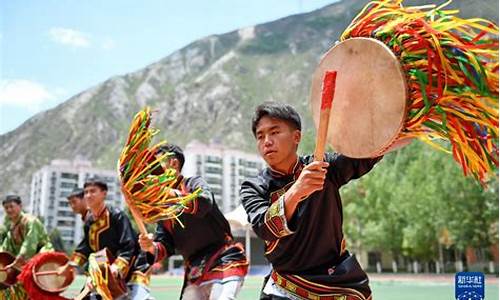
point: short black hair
(96, 182)
(77, 192)
(276, 110)
(176, 152)
(12, 198)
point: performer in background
(78, 204)
(294, 205)
(24, 234)
(215, 265)
(110, 228)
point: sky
(53, 49)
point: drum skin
(53, 283)
(7, 277)
(370, 102)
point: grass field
(384, 288)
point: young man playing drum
(215, 265)
(110, 228)
(295, 207)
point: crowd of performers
(293, 205)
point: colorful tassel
(452, 76)
(147, 183)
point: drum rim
(56, 259)
(393, 141)
(11, 258)
(119, 285)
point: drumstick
(51, 272)
(324, 115)
(139, 220)
(57, 271)
(6, 268)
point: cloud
(69, 37)
(23, 93)
(108, 44)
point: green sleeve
(35, 236)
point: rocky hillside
(206, 90)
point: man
(77, 203)
(295, 207)
(110, 228)
(215, 265)
(25, 235)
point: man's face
(277, 141)
(94, 196)
(12, 209)
(78, 205)
(171, 163)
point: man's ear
(297, 136)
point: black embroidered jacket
(312, 241)
(205, 241)
(112, 229)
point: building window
(213, 159)
(213, 170)
(63, 203)
(68, 185)
(212, 180)
(69, 176)
(65, 214)
(65, 223)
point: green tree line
(416, 203)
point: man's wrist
(152, 249)
(293, 196)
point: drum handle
(139, 220)
(328, 91)
(60, 270)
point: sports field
(385, 287)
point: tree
(56, 240)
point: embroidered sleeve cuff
(275, 219)
(122, 265)
(140, 278)
(78, 259)
(160, 252)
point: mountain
(206, 91)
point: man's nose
(268, 141)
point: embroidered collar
(99, 214)
(294, 170)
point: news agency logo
(469, 286)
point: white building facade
(53, 183)
(223, 168)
